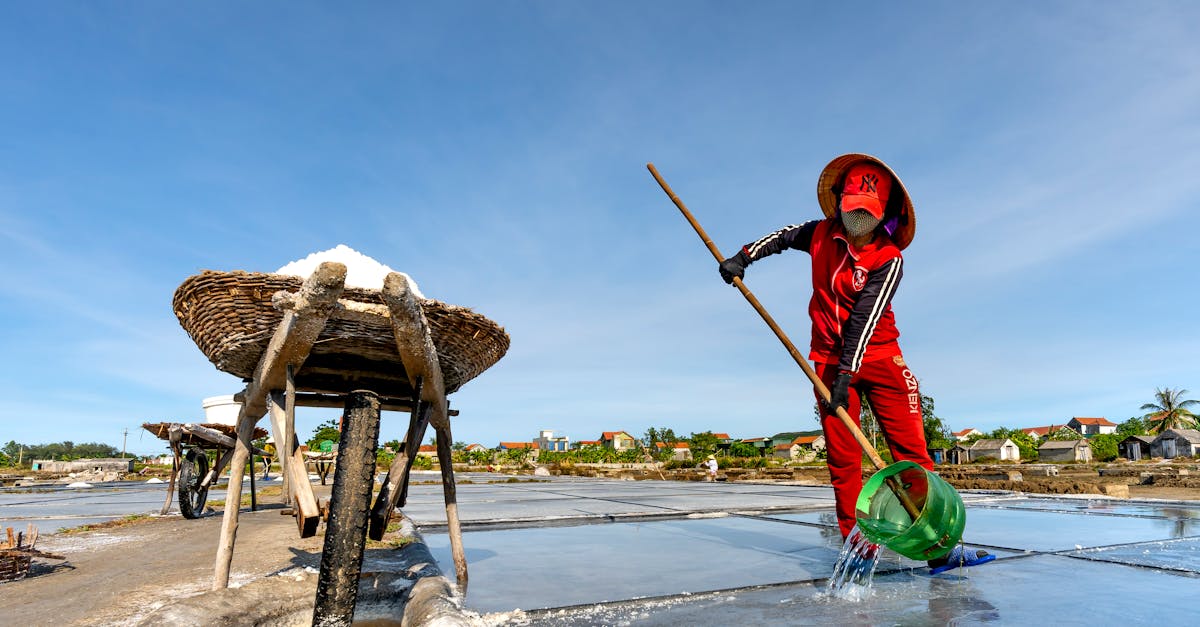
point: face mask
(859, 222)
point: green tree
(703, 444)
(1063, 434)
(1133, 426)
(458, 446)
(936, 433)
(1169, 411)
(1104, 446)
(741, 449)
(327, 430)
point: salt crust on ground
(361, 270)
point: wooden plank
(304, 501)
(308, 399)
(415, 345)
(305, 315)
(417, 351)
(213, 436)
(394, 490)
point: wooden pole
(417, 351)
(175, 435)
(346, 530)
(304, 501)
(819, 385)
(233, 499)
(289, 427)
(306, 313)
(395, 483)
(450, 494)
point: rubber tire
(192, 498)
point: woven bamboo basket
(14, 564)
(230, 317)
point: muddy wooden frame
(272, 390)
(201, 439)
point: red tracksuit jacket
(851, 306)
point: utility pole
(124, 439)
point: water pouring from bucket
(902, 506)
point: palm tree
(1169, 411)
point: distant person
(710, 466)
(856, 267)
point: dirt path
(117, 576)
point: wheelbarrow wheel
(192, 496)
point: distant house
(1002, 450)
(547, 441)
(680, 451)
(618, 440)
(532, 447)
(585, 444)
(762, 444)
(810, 442)
(1135, 447)
(1041, 433)
(471, 448)
(790, 450)
(427, 450)
(1065, 451)
(1088, 427)
(1176, 443)
(959, 436)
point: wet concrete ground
(572, 551)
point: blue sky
(496, 151)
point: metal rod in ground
(346, 529)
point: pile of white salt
(361, 270)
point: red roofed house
(585, 443)
(1092, 426)
(474, 447)
(959, 436)
(427, 450)
(790, 450)
(617, 440)
(532, 447)
(1041, 433)
(811, 442)
(682, 451)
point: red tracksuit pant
(891, 388)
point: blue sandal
(959, 557)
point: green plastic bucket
(884, 520)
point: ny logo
(868, 182)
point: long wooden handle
(822, 390)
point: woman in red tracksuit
(856, 267)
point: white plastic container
(221, 410)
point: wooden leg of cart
(395, 484)
(233, 498)
(414, 343)
(253, 497)
(176, 434)
(304, 501)
(453, 528)
(305, 315)
(346, 530)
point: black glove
(735, 266)
(839, 395)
